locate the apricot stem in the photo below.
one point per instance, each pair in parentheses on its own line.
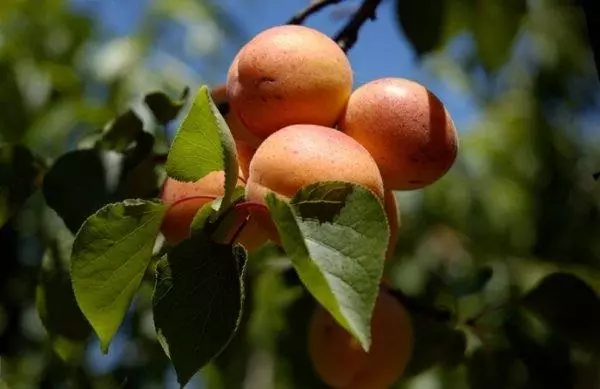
(313,8)
(348,35)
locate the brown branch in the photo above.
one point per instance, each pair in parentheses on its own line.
(313,8)
(348,35)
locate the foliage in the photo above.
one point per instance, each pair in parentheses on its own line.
(498,263)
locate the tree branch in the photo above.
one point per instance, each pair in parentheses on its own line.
(313,8)
(348,35)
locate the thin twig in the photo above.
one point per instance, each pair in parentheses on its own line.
(348,35)
(313,8)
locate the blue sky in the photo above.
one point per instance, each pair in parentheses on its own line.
(382,50)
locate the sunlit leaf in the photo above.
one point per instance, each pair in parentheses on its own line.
(203,144)
(110,255)
(337,252)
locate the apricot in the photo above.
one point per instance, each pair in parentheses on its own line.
(406,128)
(288,75)
(340,361)
(185,200)
(304,154)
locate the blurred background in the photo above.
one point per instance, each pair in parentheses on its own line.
(520,203)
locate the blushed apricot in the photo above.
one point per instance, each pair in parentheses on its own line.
(288,75)
(340,361)
(304,154)
(406,128)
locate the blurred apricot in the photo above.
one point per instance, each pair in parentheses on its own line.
(340,361)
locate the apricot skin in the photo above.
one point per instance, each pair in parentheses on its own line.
(406,128)
(288,75)
(340,361)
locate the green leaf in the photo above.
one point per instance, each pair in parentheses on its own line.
(338,251)
(19,178)
(204,144)
(422,23)
(110,255)
(163,108)
(569,306)
(197,302)
(76,186)
(496,25)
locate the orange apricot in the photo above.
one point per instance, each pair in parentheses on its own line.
(406,128)
(304,154)
(288,75)
(340,361)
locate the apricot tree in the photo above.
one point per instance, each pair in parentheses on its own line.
(285,157)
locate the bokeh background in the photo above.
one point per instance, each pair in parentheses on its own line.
(520,203)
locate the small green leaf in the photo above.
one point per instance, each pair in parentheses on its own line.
(163,108)
(496,26)
(110,255)
(204,144)
(226,222)
(338,257)
(198,302)
(422,23)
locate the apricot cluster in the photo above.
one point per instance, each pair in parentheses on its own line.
(297,120)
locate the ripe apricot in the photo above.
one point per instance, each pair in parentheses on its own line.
(185,200)
(340,361)
(304,154)
(406,128)
(288,75)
